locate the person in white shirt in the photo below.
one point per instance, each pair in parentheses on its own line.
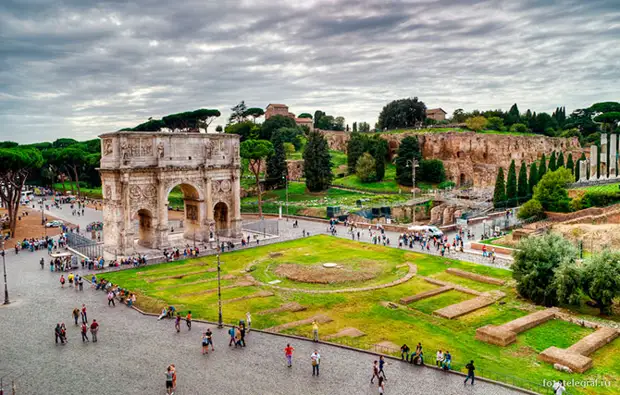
(315,358)
(439,358)
(558,387)
(248,318)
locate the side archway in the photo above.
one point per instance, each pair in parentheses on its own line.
(146,228)
(221,217)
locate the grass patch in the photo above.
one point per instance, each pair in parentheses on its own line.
(557,333)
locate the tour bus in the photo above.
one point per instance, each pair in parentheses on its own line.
(431,230)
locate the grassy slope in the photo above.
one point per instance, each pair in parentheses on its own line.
(458,130)
(364,311)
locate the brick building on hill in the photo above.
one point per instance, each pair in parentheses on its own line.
(282,109)
(437,114)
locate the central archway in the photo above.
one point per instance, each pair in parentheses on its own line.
(146,228)
(185,211)
(220,215)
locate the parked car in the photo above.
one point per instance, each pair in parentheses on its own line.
(54,224)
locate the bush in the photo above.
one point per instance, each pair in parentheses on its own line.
(476,123)
(531,209)
(601,279)
(519,128)
(551,191)
(365,168)
(446,185)
(599,199)
(431,170)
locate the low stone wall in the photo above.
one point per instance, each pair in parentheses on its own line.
(426,294)
(321,319)
(475,277)
(507,334)
(594,341)
(468,306)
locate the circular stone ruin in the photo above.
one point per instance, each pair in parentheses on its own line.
(328,273)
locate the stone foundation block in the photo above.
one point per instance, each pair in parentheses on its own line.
(475,277)
(495,335)
(576,362)
(425,294)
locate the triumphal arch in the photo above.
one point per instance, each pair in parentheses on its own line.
(140,169)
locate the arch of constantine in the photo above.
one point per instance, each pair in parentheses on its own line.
(138,171)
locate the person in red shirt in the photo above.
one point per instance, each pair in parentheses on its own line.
(84,331)
(94,328)
(288,352)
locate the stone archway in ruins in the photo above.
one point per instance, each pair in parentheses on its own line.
(140,169)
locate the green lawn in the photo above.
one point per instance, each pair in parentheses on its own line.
(601,188)
(457,130)
(94,193)
(388,185)
(159,285)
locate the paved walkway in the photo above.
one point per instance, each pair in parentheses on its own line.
(133,351)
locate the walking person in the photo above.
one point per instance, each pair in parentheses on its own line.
(381,365)
(205,344)
(470,372)
(62,281)
(76,315)
(111,299)
(375,372)
(231,333)
(94,328)
(84,317)
(315,359)
(382,385)
(288,353)
(58,334)
(315,331)
(188,320)
(84,331)
(558,388)
(169,376)
(177,322)
(248,319)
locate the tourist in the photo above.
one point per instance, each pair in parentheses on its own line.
(470,372)
(42,263)
(58,334)
(84,331)
(164,312)
(210,338)
(288,353)
(439,358)
(381,365)
(177,322)
(558,387)
(84,317)
(174,377)
(205,344)
(81,284)
(242,334)
(447,361)
(94,329)
(315,359)
(418,357)
(231,333)
(315,331)
(381,385)
(111,299)
(188,320)
(62,281)
(248,319)
(76,315)
(169,376)
(63,331)
(404,352)
(375,372)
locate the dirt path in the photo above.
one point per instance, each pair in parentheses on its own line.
(29,226)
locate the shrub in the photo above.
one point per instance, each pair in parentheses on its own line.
(531,209)
(446,185)
(365,168)
(601,279)
(476,123)
(600,198)
(551,191)
(432,170)
(519,128)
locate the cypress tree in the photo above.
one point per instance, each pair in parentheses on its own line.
(511,185)
(542,168)
(552,162)
(522,188)
(317,163)
(570,165)
(560,162)
(277,169)
(533,180)
(499,194)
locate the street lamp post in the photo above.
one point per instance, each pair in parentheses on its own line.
(42,217)
(413,163)
(219,287)
(6,288)
(286,189)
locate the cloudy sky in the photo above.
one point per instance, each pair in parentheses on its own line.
(78,68)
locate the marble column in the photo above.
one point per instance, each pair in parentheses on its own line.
(593,162)
(583,171)
(613,155)
(603,159)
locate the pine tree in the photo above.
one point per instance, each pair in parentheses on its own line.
(552,162)
(513,115)
(570,165)
(354,127)
(499,194)
(560,162)
(317,163)
(533,180)
(277,170)
(511,185)
(542,168)
(522,188)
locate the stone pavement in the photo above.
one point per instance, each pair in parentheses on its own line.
(134,350)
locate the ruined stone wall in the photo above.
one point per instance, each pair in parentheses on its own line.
(473,158)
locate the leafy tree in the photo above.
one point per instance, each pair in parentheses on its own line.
(277,170)
(499,193)
(402,113)
(601,279)
(552,165)
(531,209)
(513,116)
(255,151)
(365,168)
(73,160)
(519,128)
(219,129)
(247,130)
(495,123)
(289,148)
(511,185)
(605,107)
(91,174)
(581,119)
(567,282)
(431,170)
(560,161)
(238,113)
(292,135)
(8,144)
(459,116)
(533,179)
(535,264)
(408,150)
(541,124)
(476,123)
(16,165)
(354,127)
(254,112)
(318,114)
(552,192)
(274,123)
(364,127)
(63,143)
(338,124)
(609,119)
(204,117)
(542,168)
(305,115)
(355,149)
(560,116)
(317,163)
(522,188)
